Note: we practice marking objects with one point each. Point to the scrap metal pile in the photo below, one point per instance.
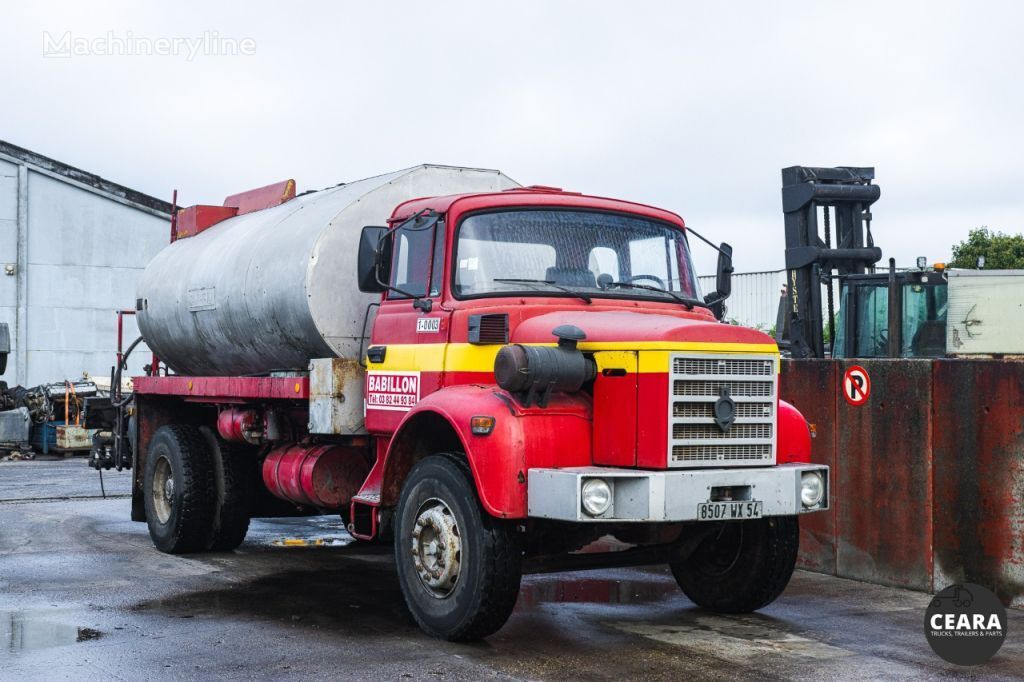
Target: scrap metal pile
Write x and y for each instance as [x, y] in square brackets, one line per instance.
[42, 418]
[45, 417]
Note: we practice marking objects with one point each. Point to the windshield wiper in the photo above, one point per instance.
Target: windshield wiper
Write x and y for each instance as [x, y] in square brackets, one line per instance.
[688, 302]
[578, 294]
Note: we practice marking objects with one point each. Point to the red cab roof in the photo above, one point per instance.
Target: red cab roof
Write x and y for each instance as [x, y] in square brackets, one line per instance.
[529, 196]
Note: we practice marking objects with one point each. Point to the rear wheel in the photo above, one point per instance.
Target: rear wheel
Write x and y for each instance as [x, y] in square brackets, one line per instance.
[459, 567]
[178, 488]
[742, 566]
[234, 486]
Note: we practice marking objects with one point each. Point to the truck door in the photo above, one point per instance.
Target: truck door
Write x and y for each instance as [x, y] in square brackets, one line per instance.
[406, 350]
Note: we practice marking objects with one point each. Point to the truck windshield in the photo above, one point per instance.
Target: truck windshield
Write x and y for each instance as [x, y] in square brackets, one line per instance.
[562, 252]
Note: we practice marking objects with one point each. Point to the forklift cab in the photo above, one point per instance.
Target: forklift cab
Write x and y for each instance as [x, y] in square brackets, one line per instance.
[902, 319]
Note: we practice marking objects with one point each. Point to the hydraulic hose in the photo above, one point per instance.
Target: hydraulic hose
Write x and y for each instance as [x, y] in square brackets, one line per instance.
[117, 373]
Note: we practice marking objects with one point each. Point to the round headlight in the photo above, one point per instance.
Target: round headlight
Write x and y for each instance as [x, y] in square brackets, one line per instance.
[812, 488]
[596, 496]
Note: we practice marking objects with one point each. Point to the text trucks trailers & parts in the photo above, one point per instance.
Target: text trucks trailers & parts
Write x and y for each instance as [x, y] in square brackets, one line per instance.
[498, 375]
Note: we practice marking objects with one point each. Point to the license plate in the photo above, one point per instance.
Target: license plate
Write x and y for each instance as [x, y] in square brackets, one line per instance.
[725, 511]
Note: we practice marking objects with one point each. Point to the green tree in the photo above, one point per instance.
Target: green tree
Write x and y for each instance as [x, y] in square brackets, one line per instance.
[1001, 251]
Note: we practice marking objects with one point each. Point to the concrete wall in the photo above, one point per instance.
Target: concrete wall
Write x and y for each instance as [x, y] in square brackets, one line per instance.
[9, 254]
[69, 257]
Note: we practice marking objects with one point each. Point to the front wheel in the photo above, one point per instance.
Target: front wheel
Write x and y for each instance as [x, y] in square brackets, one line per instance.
[742, 566]
[459, 567]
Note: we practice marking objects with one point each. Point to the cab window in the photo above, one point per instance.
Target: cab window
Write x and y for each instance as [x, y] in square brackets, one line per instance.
[418, 253]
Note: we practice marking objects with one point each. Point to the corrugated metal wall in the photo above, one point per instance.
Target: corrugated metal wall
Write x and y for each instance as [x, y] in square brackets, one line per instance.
[927, 475]
[755, 297]
[69, 257]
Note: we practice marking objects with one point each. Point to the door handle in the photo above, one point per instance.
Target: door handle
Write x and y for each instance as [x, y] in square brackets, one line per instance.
[376, 353]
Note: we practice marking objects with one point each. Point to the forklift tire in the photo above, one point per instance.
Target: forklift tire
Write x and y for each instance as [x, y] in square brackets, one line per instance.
[234, 485]
[742, 567]
[178, 488]
[459, 567]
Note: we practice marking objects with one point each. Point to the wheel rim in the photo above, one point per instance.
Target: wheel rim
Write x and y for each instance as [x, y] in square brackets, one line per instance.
[718, 554]
[163, 489]
[436, 548]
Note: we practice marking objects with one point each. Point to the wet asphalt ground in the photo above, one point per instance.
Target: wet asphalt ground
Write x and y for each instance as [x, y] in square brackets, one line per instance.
[84, 595]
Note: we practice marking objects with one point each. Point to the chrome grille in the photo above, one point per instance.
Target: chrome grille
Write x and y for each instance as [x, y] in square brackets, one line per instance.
[738, 431]
[706, 410]
[719, 453]
[712, 388]
[695, 385]
[717, 367]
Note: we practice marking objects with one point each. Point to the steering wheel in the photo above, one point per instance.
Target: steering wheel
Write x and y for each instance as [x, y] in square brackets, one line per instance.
[653, 278]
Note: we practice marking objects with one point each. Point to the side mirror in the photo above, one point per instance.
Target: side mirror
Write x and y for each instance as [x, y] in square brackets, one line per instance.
[723, 282]
[373, 268]
[723, 278]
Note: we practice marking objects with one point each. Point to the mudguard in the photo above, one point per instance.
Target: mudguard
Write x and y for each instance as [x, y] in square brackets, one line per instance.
[558, 435]
[794, 436]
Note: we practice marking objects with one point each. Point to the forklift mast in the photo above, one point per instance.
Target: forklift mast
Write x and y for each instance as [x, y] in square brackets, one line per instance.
[845, 193]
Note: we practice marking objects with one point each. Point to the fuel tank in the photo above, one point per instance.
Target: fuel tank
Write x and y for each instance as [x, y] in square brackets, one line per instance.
[271, 290]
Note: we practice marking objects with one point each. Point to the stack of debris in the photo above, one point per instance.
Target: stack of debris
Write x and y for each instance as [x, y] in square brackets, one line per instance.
[44, 418]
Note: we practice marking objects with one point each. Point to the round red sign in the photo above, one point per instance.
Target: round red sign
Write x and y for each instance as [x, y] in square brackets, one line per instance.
[856, 385]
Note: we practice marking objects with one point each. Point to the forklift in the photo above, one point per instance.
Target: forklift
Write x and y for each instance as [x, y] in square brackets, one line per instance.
[893, 314]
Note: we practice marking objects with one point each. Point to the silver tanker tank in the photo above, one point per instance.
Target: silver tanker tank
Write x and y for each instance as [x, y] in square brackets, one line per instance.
[273, 289]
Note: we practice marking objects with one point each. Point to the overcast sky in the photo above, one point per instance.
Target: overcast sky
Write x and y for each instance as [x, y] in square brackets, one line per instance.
[691, 106]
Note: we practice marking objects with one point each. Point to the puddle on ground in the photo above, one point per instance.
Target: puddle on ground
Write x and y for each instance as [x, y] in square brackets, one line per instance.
[22, 631]
[535, 592]
[356, 598]
[312, 531]
[311, 542]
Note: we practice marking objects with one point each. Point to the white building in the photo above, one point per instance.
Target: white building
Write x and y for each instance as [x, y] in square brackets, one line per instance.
[71, 247]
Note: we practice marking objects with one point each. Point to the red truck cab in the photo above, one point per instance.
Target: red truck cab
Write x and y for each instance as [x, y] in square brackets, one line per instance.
[667, 417]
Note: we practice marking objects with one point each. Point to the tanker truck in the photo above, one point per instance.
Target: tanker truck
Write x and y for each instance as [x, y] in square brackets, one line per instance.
[486, 375]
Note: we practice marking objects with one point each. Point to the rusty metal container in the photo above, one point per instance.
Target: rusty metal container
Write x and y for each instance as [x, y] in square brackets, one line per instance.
[74, 437]
[273, 289]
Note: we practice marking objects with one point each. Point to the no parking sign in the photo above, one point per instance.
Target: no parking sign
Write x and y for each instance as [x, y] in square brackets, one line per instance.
[856, 385]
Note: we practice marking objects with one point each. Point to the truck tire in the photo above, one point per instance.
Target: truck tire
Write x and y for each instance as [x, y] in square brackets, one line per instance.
[742, 567]
[234, 486]
[459, 567]
[178, 489]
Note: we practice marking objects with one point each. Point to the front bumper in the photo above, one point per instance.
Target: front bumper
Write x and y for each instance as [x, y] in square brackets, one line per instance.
[654, 496]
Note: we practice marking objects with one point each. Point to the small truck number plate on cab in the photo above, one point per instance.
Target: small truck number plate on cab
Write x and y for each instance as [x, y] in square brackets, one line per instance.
[723, 511]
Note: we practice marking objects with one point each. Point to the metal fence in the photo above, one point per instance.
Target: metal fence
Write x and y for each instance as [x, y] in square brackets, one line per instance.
[755, 297]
